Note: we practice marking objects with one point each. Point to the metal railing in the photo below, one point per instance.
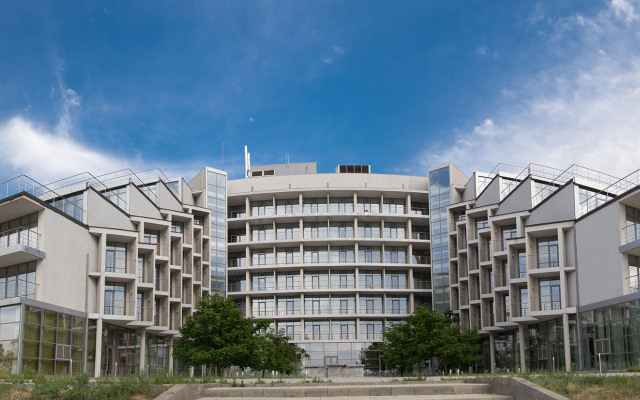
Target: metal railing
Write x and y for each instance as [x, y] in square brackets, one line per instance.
[263, 312]
[371, 310]
[21, 235]
[419, 211]
[145, 274]
[15, 287]
[630, 233]
[616, 188]
[420, 235]
[237, 214]
[121, 265]
[119, 307]
[546, 302]
[128, 176]
[23, 183]
[503, 315]
[421, 284]
[420, 259]
[317, 336]
[237, 287]
[176, 291]
[284, 286]
[263, 287]
[237, 262]
[544, 260]
[237, 238]
[632, 284]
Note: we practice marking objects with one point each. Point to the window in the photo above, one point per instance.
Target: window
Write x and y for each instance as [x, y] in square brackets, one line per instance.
[262, 257]
[261, 233]
[369, 205]
[315, 255]
[482, 222]
[262, 282]
[342, 254]
[150, 237]
[316, 305]
[369, 230]
[370, 330]
[393, 206]
[288, 281]
[114, 298]
[524, 302]
[547, 252]
[315, 205]
[507, 232]
[177, 227]
[18, 281]
[116, 260]
[288, 255]
[287, 207]
[315, 280]
[370, 280]
[287, 231]
[522, 264]
[395, 280]
[370, 305]
[262, 307]
[73, 205]
[369, 254]
[341, 205]
[315, 230]
[396, 305]
[542, 190]
[341, 230]
[316, 330]
[634, 273]
[342, 280]
[289, 306]
[262, 208]
[632, 225]
[549, 295]
[394, 230]
[22, 230]
[291, 329]
[343, 330]
[395, 255]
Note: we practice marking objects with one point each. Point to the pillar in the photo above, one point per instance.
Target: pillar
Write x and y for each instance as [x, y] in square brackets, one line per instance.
[523, 358]
[492, 352]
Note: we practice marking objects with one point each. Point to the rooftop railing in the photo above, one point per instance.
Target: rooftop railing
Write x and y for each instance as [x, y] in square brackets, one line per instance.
[12, 287]
[614, 189]
[23, 183]
[89, 180]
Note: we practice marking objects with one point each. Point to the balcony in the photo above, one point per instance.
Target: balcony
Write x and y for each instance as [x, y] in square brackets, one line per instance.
[263, 312]
[237, 287]
[631, 284]
[420, 235]
[20, 245]
[546, 303]
[237, 214]
[420, 259]
[12, 287]
[237, 238]
[145, 275]
[420, 211]
[121, 266]
[118, 307]
[422, 284]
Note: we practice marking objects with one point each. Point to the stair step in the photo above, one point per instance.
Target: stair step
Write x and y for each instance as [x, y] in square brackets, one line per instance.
[481, 396]
[361, 391]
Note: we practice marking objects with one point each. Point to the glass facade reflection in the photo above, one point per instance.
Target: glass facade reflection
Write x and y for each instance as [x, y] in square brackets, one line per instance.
[217, 203]
[439, 199]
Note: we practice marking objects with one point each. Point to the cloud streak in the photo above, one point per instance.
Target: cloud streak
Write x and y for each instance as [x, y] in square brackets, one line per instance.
[583, 110]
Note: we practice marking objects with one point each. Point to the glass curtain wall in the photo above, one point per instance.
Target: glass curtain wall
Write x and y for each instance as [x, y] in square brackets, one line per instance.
[217, 203]
[439, 199]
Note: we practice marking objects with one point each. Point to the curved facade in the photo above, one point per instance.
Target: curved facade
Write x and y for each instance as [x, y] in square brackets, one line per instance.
[331, 258]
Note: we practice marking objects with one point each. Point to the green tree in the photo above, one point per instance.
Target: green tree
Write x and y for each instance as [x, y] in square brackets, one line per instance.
[273, 352]
[218, 335]
[427, 334]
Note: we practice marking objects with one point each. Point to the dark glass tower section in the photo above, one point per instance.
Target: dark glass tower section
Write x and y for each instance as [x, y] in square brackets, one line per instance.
[439, 199]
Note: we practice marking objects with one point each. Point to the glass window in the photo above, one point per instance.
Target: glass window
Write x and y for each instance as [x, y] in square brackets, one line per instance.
[315, 205]
[341, 230]
[395, 255]
[549, 295]
[368, 205]
[342, 254]
[547, 252]
[395, 230]
[287, 206]
[116, 257]
[114, 298]
[341, 205]
[315, 255]
[369, 254]
[395, 280]
[262, 208]
[369, 230]
[315, 230]
[393, 206]
[370, 279]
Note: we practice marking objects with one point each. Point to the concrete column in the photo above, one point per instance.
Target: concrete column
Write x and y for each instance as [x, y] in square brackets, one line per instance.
[567, 345]
[171, 356]
[492, 352]
[247, 206]
[523, 359]
[98, 358]
[143, 352]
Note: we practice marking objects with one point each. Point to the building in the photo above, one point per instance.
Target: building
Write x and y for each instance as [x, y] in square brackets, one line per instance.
[543, 263]
[331, 258]
[98, 273]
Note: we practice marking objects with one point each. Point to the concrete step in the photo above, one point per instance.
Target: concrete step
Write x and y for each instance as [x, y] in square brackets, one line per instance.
[413, 397]
[359, 391]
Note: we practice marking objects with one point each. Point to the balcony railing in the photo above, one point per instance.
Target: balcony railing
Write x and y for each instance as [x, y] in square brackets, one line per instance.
[294, 286]
[632, 284]
[546, 302]
[121, 266]
[263, 312]
[630, 233]
[544, 260]
[237, 214]
[419, 211]
[237, 262]
[421, 284]
[12, 287]
[21, 235]
[162, 250]
[237, 238]
[420, 259]
[119, 307]
[262, 287]
[145, 275]
[237, 287]
[420, 235]
[371, 310]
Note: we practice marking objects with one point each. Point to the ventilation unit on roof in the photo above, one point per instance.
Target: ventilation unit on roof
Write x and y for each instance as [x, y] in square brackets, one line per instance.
[353, 169]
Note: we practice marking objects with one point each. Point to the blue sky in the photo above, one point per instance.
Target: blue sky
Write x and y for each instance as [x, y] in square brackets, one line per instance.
[401, 85]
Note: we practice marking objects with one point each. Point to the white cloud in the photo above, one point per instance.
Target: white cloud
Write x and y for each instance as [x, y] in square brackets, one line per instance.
[583, 110]
[251, 119]
[338, 49]
[46, 156]
[326, 60]
[482, 51]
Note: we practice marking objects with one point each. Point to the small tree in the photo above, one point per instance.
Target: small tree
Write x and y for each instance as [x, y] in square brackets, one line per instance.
[218, 335]
[427, 334]
[275, 353]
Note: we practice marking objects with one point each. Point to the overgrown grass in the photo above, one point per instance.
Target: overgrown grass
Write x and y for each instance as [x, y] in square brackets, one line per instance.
[589, 387]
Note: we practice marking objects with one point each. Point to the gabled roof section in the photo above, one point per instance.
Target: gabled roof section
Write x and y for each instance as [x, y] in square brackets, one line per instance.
[491, 194]
[559, 206]
[519, 199]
